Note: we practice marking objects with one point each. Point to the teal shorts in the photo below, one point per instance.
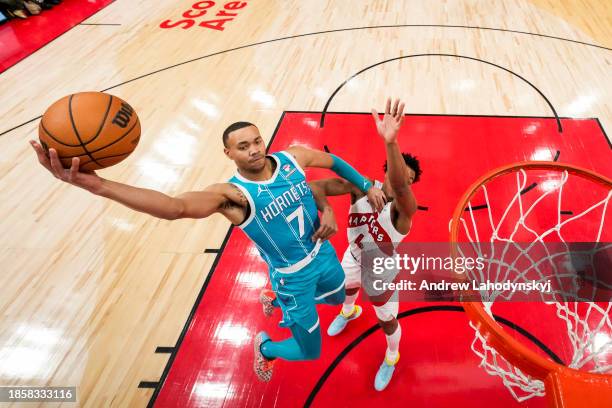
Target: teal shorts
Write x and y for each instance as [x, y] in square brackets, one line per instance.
[299, 292]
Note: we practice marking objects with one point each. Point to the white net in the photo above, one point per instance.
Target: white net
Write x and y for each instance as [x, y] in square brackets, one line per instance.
[513, 230]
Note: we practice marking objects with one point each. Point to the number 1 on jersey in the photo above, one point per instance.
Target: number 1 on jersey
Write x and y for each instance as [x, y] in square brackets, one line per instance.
[299, 214]
[358, 241]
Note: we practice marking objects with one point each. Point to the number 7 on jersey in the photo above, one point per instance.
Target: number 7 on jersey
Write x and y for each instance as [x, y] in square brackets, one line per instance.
[299, 214]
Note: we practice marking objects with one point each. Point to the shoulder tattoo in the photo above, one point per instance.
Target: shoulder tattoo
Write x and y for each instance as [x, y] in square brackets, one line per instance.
[240, 202]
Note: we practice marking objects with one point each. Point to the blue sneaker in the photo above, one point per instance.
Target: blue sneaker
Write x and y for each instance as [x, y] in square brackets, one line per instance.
[340, 322]
[384, 374]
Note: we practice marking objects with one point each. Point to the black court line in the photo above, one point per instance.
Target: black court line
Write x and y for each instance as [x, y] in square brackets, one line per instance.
[99, 24]
[604, 132]
[530, 337]
[481, 206]
[343, 30]
[212, 250]
[529, 188]
[164, 350]
[525, 190]
[18, 126]
[179, 342]
[476, 207]
[213, 268]
[550, 105]
[458, 115]
[325, 32]
[280, 121]
[566, 212]
[44, 45]
[148, 384]
[427, 309]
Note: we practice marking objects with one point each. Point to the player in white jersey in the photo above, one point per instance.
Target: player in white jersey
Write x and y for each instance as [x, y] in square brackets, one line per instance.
[383, 231]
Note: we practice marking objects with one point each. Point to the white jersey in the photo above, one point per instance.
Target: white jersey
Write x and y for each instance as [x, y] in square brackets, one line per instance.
[367, 226]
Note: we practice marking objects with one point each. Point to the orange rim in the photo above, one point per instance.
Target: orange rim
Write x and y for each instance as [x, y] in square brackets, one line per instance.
[511, 349]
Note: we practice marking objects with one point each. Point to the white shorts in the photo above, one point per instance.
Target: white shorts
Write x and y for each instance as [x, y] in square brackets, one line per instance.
[352, 272]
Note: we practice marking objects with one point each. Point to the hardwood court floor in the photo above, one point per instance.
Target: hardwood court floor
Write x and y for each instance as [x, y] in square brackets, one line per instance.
[89, 289]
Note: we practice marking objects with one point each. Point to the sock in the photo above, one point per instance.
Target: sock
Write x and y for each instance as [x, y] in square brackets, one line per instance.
[262, 347]
[302, 346]
[287, 349]
[393, 342]
[349, 304]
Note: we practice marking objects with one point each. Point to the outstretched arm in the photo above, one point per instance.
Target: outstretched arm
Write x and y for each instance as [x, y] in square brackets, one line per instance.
[195, 204]
[388, 128]
[199, 204]
[333, 186]
[315, 158]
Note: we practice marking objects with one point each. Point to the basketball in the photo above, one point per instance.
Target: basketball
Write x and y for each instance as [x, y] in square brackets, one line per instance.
[98, 128]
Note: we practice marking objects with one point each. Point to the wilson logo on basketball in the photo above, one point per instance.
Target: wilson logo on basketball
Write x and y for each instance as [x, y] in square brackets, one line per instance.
[123, 116]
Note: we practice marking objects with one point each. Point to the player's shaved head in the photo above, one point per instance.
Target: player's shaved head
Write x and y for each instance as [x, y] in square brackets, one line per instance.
[233, 127]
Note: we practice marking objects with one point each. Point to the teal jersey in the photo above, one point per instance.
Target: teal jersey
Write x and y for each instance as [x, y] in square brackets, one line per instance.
[283, 213]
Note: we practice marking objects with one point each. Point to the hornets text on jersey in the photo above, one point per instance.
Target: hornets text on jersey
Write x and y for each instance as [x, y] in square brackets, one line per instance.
[283, 214]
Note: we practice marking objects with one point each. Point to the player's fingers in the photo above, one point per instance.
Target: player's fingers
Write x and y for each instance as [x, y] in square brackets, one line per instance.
[38, 149]
[395, 104]
[74, 168]
[388, 106]
[35, 146]
[323, 234]
[40, 154]
[317, 234]
[329, 233]
[400, 112]
[375, 116]
[56, 166]
[377, 203]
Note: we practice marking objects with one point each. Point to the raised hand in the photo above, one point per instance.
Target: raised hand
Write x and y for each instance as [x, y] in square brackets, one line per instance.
[377, 198]
[89, 181]
[388, 127]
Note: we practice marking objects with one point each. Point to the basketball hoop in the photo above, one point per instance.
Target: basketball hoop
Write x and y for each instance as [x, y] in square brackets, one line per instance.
[501, 207]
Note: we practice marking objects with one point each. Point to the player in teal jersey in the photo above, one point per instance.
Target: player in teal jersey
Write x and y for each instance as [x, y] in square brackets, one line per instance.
[271, 201]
